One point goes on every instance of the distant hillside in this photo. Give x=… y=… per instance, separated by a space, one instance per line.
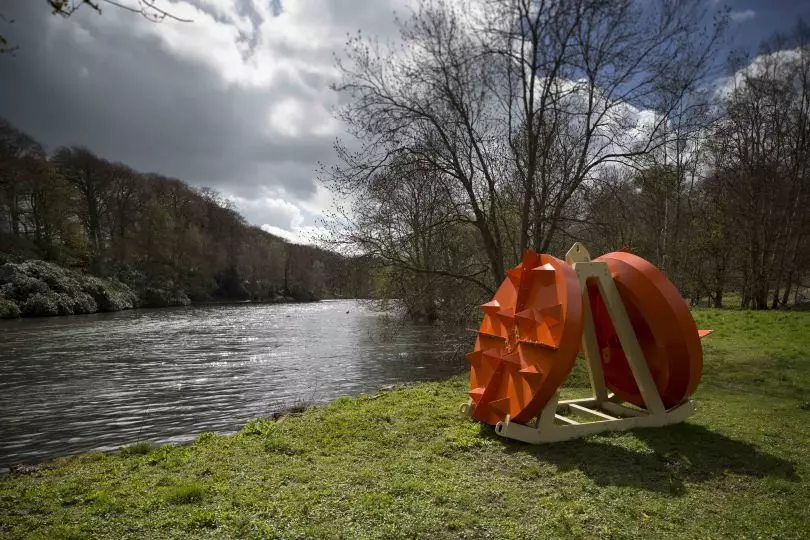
x=157 y=236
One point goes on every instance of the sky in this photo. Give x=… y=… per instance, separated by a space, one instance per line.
x=238 y=100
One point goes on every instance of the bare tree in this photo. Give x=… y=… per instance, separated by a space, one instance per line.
x=761 y=148
x=406 y=221
x=576 y=77
x=513 y=105
x=20 y=155
x=87 y=174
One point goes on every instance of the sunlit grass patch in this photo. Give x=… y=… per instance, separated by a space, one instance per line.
x=185 y=493
x=136 y=449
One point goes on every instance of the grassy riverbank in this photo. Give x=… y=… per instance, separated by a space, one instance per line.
x=405 y=463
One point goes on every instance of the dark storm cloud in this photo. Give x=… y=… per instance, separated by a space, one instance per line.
x=155 y=99
x=129 y=99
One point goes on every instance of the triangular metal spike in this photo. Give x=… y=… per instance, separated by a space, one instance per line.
x=474 y=358
x=529 y=314
x=487 y=335
x=513 y=357
x=491 y=307
x=548 y=267
x=531 y=372
x=490 y=341
x=545 y=335
x=500 y=405
x=552 y=315
x=545 y=273
x=515 y=274
x=493 y=357
x=476 y=393
x=506 y=316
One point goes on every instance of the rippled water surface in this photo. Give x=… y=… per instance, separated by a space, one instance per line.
x=96 y=382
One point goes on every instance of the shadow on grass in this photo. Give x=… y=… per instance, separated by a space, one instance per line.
x=681 y=453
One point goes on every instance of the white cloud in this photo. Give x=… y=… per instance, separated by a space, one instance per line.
x=759 y=66
x=281 y=233
x=281 y=214
x=742 y=16
x=293 y=117
x=270 y=210
x=319 y=202
x=301 y=235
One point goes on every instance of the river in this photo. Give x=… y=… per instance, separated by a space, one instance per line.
x=96 y=382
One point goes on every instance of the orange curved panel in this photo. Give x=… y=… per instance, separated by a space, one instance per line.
x=528 y=340
x=663 y=326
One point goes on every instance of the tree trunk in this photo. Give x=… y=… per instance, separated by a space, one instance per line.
x=493 y=253
x=718 y=297
x=745 y=290
x=14 y=213
x=798 y=288
x=788 y=286
x=525 y=217
x=760 y=296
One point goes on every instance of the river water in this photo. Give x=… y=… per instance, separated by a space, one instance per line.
x=96 y=382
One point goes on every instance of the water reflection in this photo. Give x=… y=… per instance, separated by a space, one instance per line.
x=73 y=384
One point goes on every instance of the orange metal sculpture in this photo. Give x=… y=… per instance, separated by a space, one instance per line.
x=662 y=324
x=631 y=325
x=528 y=340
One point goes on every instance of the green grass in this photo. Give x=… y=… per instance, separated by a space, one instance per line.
x=404 y=463
x=188 y=492
x=136 y=449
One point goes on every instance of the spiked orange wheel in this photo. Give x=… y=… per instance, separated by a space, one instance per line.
x=662 y=324
x=528 y=340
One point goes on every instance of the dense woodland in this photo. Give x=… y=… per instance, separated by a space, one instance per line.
x=512 y=124
x=528 y=124
x=152 y=233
